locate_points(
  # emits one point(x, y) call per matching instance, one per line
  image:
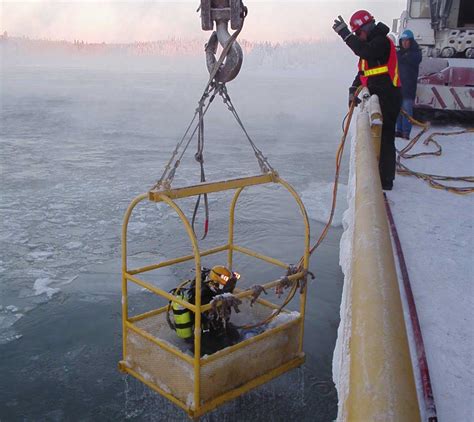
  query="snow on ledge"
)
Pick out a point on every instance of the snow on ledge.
point(341, 357)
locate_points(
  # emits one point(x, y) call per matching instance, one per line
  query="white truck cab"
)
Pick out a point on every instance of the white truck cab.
point(443, 28)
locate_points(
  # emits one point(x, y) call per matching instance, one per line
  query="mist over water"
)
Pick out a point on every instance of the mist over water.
point(83, 134)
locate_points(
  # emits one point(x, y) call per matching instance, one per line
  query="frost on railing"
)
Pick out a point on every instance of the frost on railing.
point(371, 367)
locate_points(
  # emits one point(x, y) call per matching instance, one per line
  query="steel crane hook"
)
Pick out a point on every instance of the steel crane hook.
point(221, 12)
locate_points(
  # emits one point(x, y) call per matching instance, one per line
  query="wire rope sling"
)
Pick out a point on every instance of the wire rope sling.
point(193, 370)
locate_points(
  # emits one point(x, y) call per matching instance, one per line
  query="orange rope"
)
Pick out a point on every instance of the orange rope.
point(339, 154)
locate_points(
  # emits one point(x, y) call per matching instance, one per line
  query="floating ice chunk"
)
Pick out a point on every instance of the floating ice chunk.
point(8, 317)
point(38, 272)
point(318, 199)
point(73, 245)
point(58, 206)
point(12, 308)
point(41, 286)
point(137, 226)
point(40, 255)
point(7, 338)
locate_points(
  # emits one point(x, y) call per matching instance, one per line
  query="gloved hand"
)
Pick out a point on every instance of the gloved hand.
point(341, 28)
point(352, 91)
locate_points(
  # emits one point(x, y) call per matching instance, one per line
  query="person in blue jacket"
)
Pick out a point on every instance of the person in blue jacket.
point(409, 59)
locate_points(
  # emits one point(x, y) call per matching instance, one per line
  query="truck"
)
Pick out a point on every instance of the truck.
point(444, 30)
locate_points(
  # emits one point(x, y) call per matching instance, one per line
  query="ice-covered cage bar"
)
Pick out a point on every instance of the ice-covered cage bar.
point(229, 372)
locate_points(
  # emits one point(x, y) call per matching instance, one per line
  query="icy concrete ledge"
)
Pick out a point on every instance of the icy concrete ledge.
point(372, 368)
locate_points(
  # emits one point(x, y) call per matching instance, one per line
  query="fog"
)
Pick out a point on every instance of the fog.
point(86, 128)
point(128, 21)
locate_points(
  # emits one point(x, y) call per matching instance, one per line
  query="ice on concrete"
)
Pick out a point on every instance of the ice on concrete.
point(317, 198)
point(341, 357)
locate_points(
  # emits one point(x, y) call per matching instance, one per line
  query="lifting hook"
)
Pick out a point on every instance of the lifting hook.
point(221, 12)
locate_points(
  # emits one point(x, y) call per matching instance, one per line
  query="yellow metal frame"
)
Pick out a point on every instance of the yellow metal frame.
point(130, 275)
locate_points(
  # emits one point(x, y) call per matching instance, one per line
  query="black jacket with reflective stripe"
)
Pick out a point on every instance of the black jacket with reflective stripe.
point(376, 50)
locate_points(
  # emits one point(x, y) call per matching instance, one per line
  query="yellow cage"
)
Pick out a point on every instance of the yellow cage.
point(234, 370)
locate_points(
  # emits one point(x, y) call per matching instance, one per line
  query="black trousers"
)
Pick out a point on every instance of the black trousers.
point(390, 104)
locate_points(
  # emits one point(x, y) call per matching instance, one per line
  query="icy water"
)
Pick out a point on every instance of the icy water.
point(79, 140)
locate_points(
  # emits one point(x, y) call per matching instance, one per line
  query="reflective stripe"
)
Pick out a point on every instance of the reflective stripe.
point(396, 77)
point(183, 326)
point(391, 68)
point(376, 71)
point(393, 65)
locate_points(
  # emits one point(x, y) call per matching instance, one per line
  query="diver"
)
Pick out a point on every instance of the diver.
point(217, 332)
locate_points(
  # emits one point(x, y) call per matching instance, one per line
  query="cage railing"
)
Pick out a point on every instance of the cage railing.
point(131, 275)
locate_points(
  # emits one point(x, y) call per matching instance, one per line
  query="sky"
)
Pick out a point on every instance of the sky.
point(129, 21)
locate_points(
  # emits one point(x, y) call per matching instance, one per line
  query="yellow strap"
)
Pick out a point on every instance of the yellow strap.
point(376, 71)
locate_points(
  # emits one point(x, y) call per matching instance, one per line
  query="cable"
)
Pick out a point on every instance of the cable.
point(432, 179)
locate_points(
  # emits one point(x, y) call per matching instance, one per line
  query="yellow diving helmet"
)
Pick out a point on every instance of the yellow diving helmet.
point(221, 275)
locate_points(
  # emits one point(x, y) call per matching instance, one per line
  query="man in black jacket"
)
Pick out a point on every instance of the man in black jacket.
point(409, 59)
point(378, 71)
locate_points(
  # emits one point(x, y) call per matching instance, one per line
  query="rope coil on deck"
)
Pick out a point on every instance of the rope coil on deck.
point(432, 179)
